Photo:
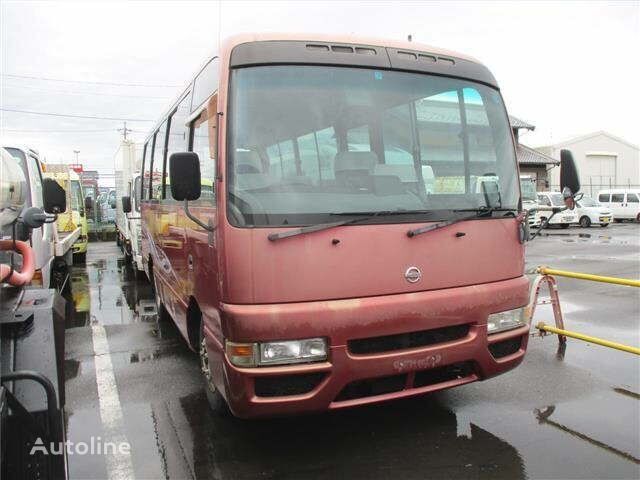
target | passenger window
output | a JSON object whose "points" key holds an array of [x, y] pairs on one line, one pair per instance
{"points": [[136, 193], [358, 139], [617, 197], [204, 144], [309, 158], [178, 141], [146, 168], [603, 198], [36, 180], [441, 140], [327, 151], [157, 164], [481, 141], [397, 136], [282, 159], [632, 198]]}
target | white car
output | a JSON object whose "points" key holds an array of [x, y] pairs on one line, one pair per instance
{"points": [[624, 204], [591, 212], [554, 199]]}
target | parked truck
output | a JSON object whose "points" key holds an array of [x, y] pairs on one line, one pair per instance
{"points": [[127, 211], [52, 248], [74, 216]]}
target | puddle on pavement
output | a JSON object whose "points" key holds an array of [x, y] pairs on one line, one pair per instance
{"points": [[106, 291], [585, 238]]}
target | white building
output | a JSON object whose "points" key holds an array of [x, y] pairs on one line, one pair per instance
{"points": [[603, 160]]}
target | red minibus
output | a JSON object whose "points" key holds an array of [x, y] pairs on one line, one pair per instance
{"points": [[337, 221]]}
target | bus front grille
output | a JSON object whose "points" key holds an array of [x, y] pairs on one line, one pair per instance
{"points": [[401, 341]]}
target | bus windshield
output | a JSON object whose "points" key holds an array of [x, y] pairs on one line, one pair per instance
{"points": [[306, 142]]}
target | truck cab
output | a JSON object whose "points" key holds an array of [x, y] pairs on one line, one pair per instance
{"points": [[42, 239], [75, 216]]}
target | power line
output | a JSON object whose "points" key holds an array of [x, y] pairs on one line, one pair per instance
{"points": [[100, 94], [65, 131], [117, 84], [50, 114]]}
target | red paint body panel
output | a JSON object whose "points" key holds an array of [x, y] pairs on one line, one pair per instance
{"points": [[369, 260]]}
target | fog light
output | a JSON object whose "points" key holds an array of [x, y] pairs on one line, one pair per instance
{"points": [[502, 321], [293, 351]]}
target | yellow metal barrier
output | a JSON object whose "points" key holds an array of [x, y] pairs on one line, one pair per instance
{"points": [[587, 338], [587, 276]]}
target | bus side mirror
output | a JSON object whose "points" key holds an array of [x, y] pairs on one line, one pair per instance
{"points": [[55, 198], [126, 204], [184, 175], [88, 203], [569, 178]]}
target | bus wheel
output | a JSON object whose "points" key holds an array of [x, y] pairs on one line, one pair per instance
{"points": [[216, 402], [585, 222]]}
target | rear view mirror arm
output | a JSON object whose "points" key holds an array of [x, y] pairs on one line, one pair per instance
{"points": [[200, 223]]}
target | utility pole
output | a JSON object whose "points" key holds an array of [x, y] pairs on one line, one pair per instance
{"points": [[125, 130]]}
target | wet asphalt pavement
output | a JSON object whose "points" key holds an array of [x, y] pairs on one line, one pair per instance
{"points": [[559, 415]]}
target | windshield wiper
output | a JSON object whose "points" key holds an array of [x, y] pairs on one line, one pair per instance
{"points": [[478, 212], [361, 217]]}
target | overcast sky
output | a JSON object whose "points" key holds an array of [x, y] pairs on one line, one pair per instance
{"points": [[570, 68]]}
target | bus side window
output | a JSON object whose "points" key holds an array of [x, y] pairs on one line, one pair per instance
{"points": [[203, 142], [358, 139], [157, 165], [148, 158], [178, 132]]}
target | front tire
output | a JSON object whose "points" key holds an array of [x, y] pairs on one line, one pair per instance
{"points": [[214, 398], [585, 222]]}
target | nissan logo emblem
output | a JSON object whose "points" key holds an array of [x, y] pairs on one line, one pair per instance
{"points": [[413, 274]]}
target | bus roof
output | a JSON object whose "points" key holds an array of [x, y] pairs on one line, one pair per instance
{"points": [[249, 49]]}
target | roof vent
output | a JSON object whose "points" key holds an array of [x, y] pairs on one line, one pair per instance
{"points": [[318, 48], [341, 49], [366, 51], [426, 58], [447, 61], [407, 55]]}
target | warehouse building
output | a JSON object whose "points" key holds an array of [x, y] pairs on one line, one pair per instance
{"points": [[603, 160]]}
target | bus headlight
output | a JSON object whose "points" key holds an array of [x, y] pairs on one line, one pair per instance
{"points": [[502, 321], [276, 353]]}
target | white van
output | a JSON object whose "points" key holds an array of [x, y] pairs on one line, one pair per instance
{"points": [[554, 199], [623, 203]]}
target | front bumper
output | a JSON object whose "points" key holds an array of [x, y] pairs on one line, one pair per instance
{"points": [[348, 379]]}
